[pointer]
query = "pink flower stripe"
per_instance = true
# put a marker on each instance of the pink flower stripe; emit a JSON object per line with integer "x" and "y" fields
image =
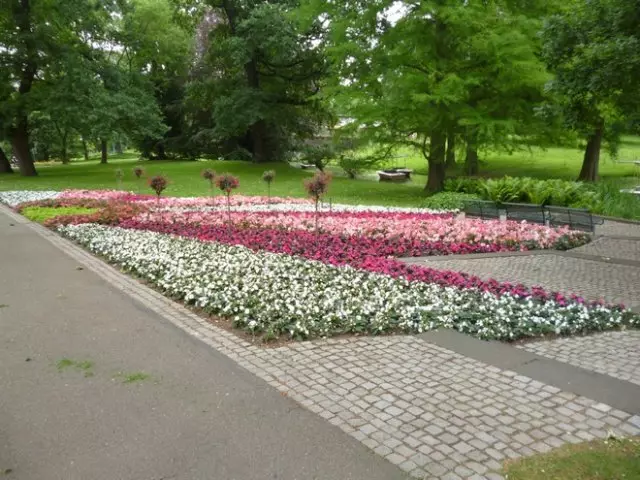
{"x": 412, "y": 227}
{"x": 219, "y": 200}
{"x": 359, "y": 252}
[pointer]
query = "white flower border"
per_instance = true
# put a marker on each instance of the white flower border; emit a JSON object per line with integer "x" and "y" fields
{"x": 275, "y": 293}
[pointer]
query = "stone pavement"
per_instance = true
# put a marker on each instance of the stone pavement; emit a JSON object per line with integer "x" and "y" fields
{"x": 589, "y": 278}
{"x": 616, "y": 354}
{"x": 427, "y": 409}
{"x": 607, "y": 268}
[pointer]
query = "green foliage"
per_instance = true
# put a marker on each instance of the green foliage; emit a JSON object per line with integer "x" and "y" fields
{"x": 320, "y": 155}
{"x": 594, "y": 50}
{"x": 448, "y": 200}
{"x": 434, "y": 67}
{"x": 606, "y": 199}
{"x": 353, "y": 164}
{"x": 524, "y": 189}
{"x": 41, "y": 214}
{"x": 256, "y": 81}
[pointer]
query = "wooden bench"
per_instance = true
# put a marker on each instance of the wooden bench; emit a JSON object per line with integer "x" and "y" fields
{"x": 307, "y": 166}
{"x": 526, "y": 212}
{"x": 481, "y": 208}
{"x": 395, "y": 175}
{"x": 574, "y": 218}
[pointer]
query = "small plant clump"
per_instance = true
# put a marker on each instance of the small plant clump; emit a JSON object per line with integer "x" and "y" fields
{"x": 210, "y": 176}
{"x": 138, "y": 172}
{"x": 119, "y": 177}
{"x": 227, "y": 183}
{"x": 268, "y": 176}
{"x": 316, "y": 188}
{"x": 158, "y": 184}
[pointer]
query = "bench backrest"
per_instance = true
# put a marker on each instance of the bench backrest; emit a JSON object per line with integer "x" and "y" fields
{"x": 479, "y": 208}
{"x": 525, "y": 211}
{"x": 574, "y": 218}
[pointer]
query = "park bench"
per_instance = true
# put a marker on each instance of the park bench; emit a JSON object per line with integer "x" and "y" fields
{"x": 395, "y": 175}
{"x": 482, "y": 209}
{"x": 307, "y": 166}
{"x": 525, "y": 211}
{"x": 574, "y": 218}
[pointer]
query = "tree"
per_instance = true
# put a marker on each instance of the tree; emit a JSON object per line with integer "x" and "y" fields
{"x": 37, "y": 35}
{"x": 593, "y": 47}
{"x": 157, "y": 44}
{"x": 411, "y": 74}
{"x": 5, "y": 165}
{"x": 262, "y": 76}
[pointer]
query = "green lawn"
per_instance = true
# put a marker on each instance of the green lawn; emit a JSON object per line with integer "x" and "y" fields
{"x": 598, "y": 460}
{"x": 186, "y": 181}
{"x": 557, "y": 162}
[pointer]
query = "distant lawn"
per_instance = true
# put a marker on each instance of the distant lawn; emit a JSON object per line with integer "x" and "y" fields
{"x": 186, "y": 181}
{"x": 598, "y": 460}
{"x": 556, "y": 162}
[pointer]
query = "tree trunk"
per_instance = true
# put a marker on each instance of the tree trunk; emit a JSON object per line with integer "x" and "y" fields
{"x": 118, "y": 148}
{"x": 5, "y": 164}
{"x": 436, "y": 159}
{"x": 591, "y": 161}
{"x": 85, "y": 150}
{"x": 258, "y": 142}
{"x": 104, "y": 153}
{"x": 451, "y": 149}
{"x": 46, "y": 156}
{"x": 162, "y": 154}
{"x": 20, "y": 144}
{"x": 471, "y": 166}
{"x": 20, "y": 134}
{"x": 64, "y": 151}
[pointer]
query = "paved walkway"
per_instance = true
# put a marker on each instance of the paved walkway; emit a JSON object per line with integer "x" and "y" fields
{"x": 431, "y": 411}
{"x": 612, "y": 353}
{"x": 199, "y": 415}
{"x": 607, "y": 268}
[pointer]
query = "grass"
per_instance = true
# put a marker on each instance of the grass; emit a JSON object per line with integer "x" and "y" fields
{"x": 185, "y": 179}
{"x": 133, "y": 377}
{"x": 555, "y": 162}
{"x": 84, "y": 366}
{"x": 597, "y": 460}
{"x": 42, "y": 214}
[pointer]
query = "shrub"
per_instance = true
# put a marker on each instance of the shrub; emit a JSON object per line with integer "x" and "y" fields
{"x": 462, "y": 185}
{"x": 227, "y": 183}
{"x": 316, "y": 187}
{"x": 353, "y": 165}
{"x": 448, "y": 200}
{"x": 158, "y": 184}
{"x": 561, "y": 193}
{"x": 138, "y": 172}
{"x": 268, "y": 176}
{"x": 318, "y": 155}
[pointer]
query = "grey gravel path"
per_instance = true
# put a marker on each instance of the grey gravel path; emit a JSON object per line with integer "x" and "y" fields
{"x": 199, "y": 415}
{"x": 433, "y": 412}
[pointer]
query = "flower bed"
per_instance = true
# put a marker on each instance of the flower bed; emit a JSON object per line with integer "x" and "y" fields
{"x": 16, "y": 197}
{"x": 369, "y": 254}
{"x": 271, "y": 272}
{"x": 391, "y": 226}
{"x": 274, "y": 294}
